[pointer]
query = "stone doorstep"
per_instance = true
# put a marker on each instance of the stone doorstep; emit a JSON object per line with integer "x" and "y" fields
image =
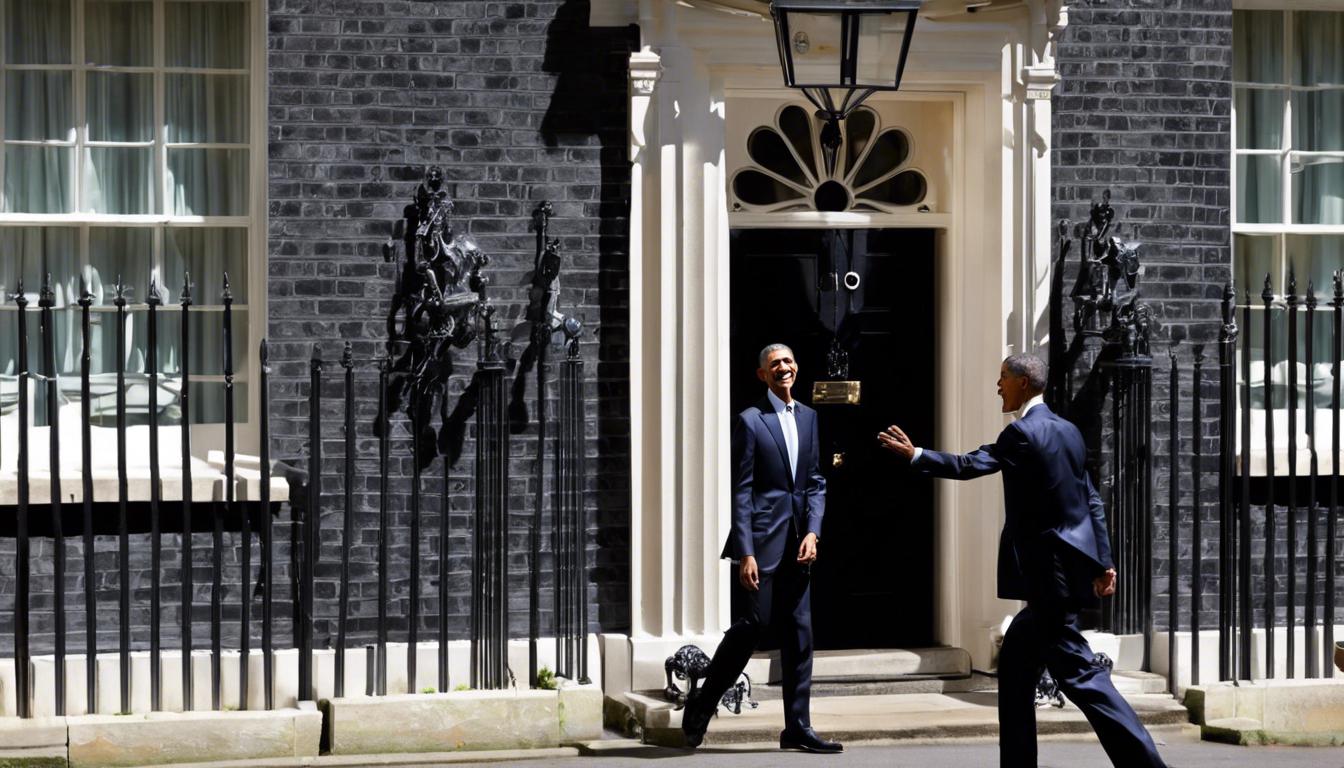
{"x": 887, "y": 717}
{"x": 464, "y": 720}
{"x": 870, "y": 664}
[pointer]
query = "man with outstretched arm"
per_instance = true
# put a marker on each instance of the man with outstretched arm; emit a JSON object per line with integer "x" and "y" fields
{"x": 1055, "y": 554}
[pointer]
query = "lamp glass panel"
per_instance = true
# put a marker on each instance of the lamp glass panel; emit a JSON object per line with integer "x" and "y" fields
{"x": 814, "y": 46}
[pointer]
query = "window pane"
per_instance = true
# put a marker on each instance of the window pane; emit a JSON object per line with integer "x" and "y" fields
{"x": 206, "y": 108}
{"x": 1319, "y": 38}
{"x": 37, "y": 31}
{"x": 1315, "y": 258}
{"x": 208, "y": 182}
{"x": 1318, "y": 120}
{"x": 207, "y": 341}
{"x": 207, "y": 403}
{"x": 1318, "y": 190}
{"x": 1258, "y": 189}
{"x": 1257, "y": 46}
{"x": 120, "y": 252}
{"x": 37, "y": 180}
{"x": 121, "y": 107}
{"x": 119, "y": 180}
{"x": 119, "y": 33}
{"x": 207, "y": 35}
{"x": 1253, "y": 258}
{"x": 30, "y": 250}
{"x": 207, "y": 253}
{"x": 1259, "y": 118}
{"x": 38, "y": 106}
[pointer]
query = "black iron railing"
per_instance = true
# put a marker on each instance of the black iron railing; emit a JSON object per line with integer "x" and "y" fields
{"x": 486, "y": 398}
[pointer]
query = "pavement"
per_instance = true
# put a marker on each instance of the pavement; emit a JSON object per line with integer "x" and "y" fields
{"x": 1180, "y": 751}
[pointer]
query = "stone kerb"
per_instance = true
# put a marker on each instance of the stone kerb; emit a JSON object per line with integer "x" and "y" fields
{"x": 1301, "y": 712}
{"x": 463, "y": 720}
{"x": 187, "y": 737}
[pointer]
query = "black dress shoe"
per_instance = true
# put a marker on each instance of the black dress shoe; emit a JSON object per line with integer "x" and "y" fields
{"x": 809, "y": 741}
{"x": 695, "y": 718}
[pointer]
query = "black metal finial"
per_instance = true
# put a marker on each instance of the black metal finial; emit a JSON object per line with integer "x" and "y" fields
{"x": 227, "y": 294}
{"x": 153, "y": 298}
{"x": 1267, "y": 295}
{"x": 316, "y": 361}
{"x": 119, "y": 293}
{"x": 85, "y": 296}
{"x": 1339, "y": 288}
{"x": 1199, "y": 355}
{"x": 185, "y": 299}
{"x": 1311, "y": 294}
{"x": 46, "y": 298}
{"x": 1292, "y": 285}
{"x": 348, "y": 356}
{"x": 264, "y": 353}
{"x": 18, "y": 296}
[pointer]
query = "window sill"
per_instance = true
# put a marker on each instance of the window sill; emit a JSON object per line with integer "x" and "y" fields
{"x": 208, "y": 483}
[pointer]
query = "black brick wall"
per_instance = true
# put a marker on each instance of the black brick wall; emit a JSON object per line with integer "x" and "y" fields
{"x": 1143, "y": 109}
{"x": 518, "y": 102}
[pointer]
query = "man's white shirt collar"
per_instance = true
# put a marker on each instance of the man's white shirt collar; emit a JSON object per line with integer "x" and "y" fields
{"x": 1032, "y": 403}
{"x": 776, "y": 402}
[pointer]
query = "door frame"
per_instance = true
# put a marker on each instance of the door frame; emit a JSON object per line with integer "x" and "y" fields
{"x": 992, "y": 272}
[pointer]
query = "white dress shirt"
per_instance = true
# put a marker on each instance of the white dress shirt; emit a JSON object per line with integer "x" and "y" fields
{"x": 787, "y": 425}
{"x": 1021, "y": 414}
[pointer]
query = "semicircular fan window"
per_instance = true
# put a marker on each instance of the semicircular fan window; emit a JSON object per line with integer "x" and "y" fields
{"x": 788, "y": 171}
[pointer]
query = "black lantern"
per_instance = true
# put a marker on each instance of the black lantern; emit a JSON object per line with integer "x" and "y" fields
{"x": 840, "y": 52}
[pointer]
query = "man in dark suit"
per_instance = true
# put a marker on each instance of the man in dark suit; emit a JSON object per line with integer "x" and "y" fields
{"x": 778, "y": 500}
{"x": 1055, "y": 554}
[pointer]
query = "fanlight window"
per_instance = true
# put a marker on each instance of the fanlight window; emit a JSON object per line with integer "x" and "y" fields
{"x": 788, "y": 171}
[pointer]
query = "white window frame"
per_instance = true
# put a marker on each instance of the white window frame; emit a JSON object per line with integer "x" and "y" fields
{"x": 1280, "y": 230}
{"x": 204, "y": 436}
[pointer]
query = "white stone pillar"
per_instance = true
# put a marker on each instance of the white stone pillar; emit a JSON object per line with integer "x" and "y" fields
{"x": 679, "y": 349}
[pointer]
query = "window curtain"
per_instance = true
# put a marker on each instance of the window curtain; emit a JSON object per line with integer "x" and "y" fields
{"x": 1258, "y": 58}
{"x": 1318, "y": 119}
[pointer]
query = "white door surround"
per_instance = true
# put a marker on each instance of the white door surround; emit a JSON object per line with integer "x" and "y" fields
{"x": 696, "y": 66}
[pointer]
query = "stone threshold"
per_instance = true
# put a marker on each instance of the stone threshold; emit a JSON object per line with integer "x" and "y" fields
{"x": 894, "y": 717}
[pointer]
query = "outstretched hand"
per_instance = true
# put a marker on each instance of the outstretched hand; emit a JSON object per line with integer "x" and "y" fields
{"x": 1104, "y": 585}
{"x": 896, "y": 441}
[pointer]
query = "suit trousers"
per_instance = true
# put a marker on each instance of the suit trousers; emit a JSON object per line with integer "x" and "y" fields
{"x": 783, "y": 607}
{"x": 1045, "y": 635}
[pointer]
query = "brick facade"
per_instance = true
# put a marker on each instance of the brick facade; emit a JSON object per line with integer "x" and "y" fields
{"x": 1143, "y": 109}
{"x": 519, "y": 103}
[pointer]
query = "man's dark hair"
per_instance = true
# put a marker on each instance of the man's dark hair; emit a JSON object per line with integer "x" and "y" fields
{"x": 1030, "y": 366}
{"x": 768, "y": 349}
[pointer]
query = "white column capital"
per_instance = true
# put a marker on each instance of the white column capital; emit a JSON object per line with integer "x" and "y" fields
{"x": 646, "y": 67}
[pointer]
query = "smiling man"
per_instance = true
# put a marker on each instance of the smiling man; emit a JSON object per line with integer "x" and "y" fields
{"x": 1055, "y": 554}
{"x": 778, "y": 499}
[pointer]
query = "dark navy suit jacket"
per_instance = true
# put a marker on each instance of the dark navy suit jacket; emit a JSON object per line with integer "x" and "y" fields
{"x": 1054, "y": 540}
{"x": 769, "y": 504}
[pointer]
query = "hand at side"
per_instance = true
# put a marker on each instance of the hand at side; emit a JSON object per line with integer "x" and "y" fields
{"x": 748, "y": 574}
{"x": 1104, "y": 584}
{"x": 807, "y": 550}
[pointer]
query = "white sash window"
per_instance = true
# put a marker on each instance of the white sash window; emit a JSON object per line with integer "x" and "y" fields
{"x": 1288, "y": 193}
{"x": 131, "y": 146}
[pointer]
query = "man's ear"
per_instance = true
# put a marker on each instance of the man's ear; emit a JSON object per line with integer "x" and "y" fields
{"x": 761, "y": 374}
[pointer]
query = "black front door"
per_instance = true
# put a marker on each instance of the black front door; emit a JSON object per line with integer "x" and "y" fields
{"x": 873, "y": 582}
